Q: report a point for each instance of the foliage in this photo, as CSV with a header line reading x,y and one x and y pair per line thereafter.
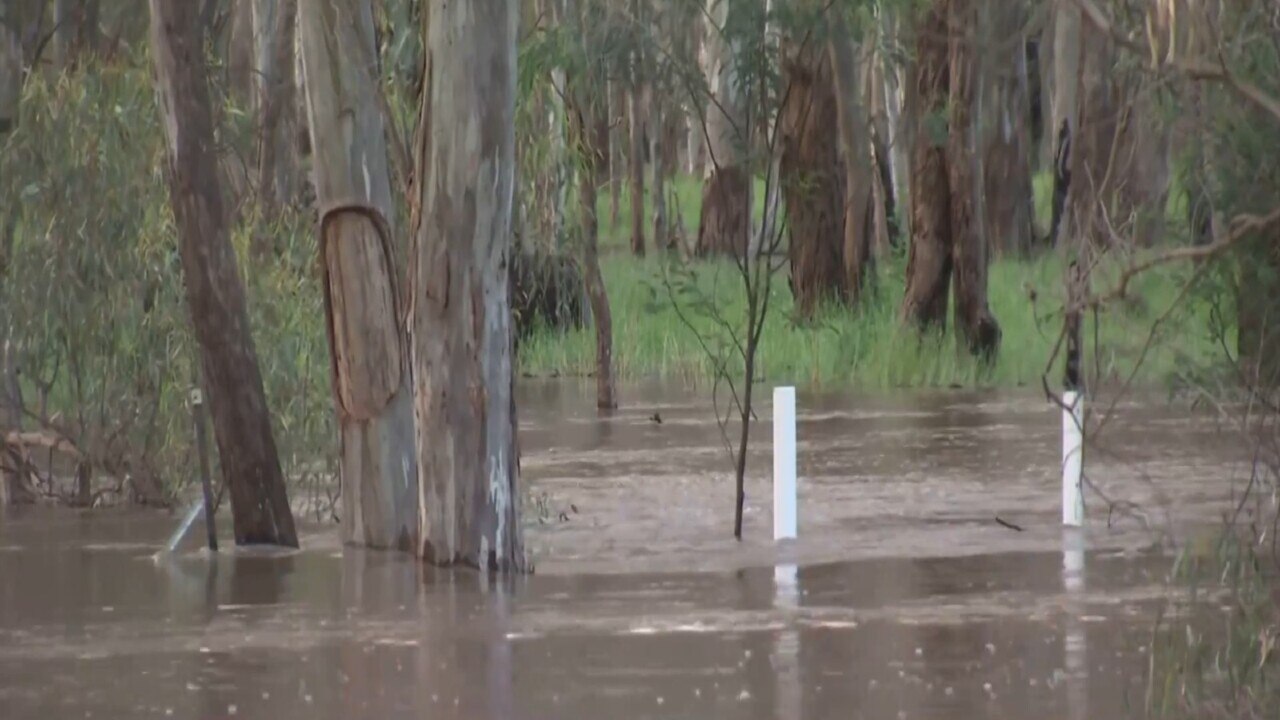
x,y
94,295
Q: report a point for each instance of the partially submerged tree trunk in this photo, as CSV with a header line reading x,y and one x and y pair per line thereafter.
x,y
275,23
724,226
977,326
464,379
215,292
857,164
10,94
365,308
810,176
924,302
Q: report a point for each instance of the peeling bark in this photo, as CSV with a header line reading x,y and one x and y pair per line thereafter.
x,y
215,293
810,176
724,226
464,380
852,120
929,259
977,326
371,378
1004,125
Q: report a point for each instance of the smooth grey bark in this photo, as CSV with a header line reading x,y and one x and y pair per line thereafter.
x,y
463,374
724,226
855,146
274,27
371,373
214,289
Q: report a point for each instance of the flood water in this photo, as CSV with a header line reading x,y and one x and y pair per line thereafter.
x,y
903,597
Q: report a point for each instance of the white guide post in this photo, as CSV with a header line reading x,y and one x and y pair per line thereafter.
x,y
1072,459
784,463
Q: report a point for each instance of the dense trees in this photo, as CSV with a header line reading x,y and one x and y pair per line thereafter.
x,y
933,118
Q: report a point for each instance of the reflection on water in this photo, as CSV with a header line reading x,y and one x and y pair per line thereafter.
x,y
902,599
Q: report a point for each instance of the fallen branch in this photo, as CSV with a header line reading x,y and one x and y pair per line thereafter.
x,y
1242,227
21,441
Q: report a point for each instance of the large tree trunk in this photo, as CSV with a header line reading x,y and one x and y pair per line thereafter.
x,y
810,175
240,57
976,324
1004,122
274,23
10,93
215,292
724,226
924,302
858,166
371,379
464,399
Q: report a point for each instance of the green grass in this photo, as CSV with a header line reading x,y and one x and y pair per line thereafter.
x,y
868,346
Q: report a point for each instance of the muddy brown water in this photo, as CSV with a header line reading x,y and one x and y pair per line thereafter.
x,y
903,598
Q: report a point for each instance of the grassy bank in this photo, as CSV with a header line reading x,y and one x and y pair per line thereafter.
x,y
868,347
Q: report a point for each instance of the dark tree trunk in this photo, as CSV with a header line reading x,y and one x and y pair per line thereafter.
x,y
1258,312
726,210
811,185
976,324
463,374
215,292
589,177
924,302
635,164
1004,93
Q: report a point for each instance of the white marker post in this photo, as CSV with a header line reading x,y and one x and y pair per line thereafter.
x,y
1072,459
784,463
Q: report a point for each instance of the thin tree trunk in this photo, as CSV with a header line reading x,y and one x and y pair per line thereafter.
x,y
617,121
588,190
464,380
724,226
929,260
855,144
371,378
898,120
810,176
215,292
661,155
635,161
977,326
274,25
